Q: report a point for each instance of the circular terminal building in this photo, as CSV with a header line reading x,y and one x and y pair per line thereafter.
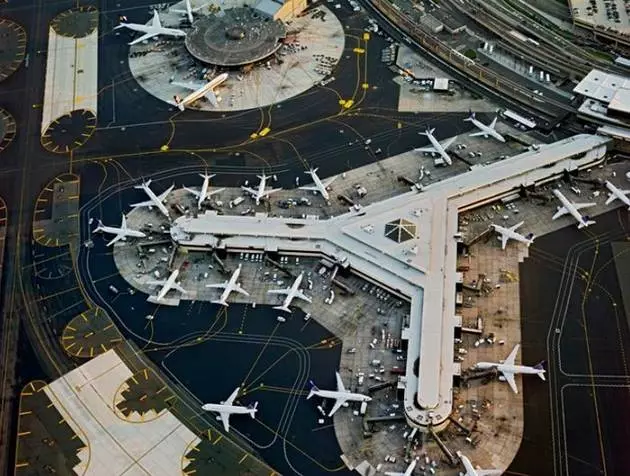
x,y
236,37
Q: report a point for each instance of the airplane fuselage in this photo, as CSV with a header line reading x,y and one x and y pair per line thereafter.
x,y
201,92
156,201
512,369
320,186
232,409
512,234
168,285
438,147
352,397
121,231
293,291
571,209
487,131
618,193
230,285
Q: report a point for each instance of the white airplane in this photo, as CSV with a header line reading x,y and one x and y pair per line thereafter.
x,y
292,292
229,286
204,193
436,146
318,185
484,130
225,409
167,285
199,90
261,191
617,194
471,471
156,201
509,369
341,395
189,10
572,208
121,233
510,233
152,30
408,471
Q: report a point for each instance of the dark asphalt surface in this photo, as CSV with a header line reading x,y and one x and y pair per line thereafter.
x,y
576,423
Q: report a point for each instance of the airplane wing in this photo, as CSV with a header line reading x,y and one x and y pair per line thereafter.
x,y
123,224
161,197
239,289
222,285
340,386
251,191
512,357
231,398
156,283
193,192
427,148
326,183
393,473
509,378
561,212
309,187
477,134
302,296
517,226
340,401
212,98
447,143
148,203
179,288
579,206
279,291
144,37
493,123
116,239
191,86
270,191
488,472
225,419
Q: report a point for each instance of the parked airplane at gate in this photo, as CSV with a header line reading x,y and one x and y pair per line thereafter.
x,y
291,292
199,90
205,192
121,233
189,10
318,185
486,131
229,286
436,146
572,209
225,409
471,471
408,471
261,191
510,233
509,369
341,395
167,285
152,30
156,201
617,194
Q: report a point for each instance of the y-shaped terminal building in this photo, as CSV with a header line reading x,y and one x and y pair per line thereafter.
x,y
407,245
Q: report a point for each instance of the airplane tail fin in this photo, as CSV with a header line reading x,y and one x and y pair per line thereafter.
x,y
471,116
254,409
586,223
179,103
313,389
143,185
541,369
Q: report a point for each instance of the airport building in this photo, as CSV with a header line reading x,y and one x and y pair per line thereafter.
x,y
606,98
408,245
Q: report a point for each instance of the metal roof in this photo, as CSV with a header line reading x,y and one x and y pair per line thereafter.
x,y
601,86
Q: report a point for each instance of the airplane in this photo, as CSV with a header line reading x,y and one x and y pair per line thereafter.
x,y
121,233
408,471
510,233
189,10
341,395
508,369
225,409
483,129
259,193
154,200
617,194
318,185
152,30
436,146
167,285
292,292
204,193
471,471
572,208
228,287
199,90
